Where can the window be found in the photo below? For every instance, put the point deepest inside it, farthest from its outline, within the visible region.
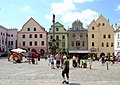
(99, 24)
(81, 35)
(11, 35)
(92, 35)
(57, 29)
(118, 44)
(30, 36)
(72, 43)
(35, 43)
(102, 44)
(23, 43)
(63, 44)
(104, 36)
(77, 43)
(109, 36)
(42, 43)
(8, 42)
(83, 43)
(107, 44)
(35, 35)
(86, 35)
(112, 44)
(28, 29)
(73, 35)
(23, 36)
(57, 37)
(40, 35)
(92, 43)
(118, 35)
(93, 28)
(63, 37)
(34, 29)
(30, 43)
(103, 24)
(51, 37)
(11, 42)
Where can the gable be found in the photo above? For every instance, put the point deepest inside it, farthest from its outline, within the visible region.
(31, 23)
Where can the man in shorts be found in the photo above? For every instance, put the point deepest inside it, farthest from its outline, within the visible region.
(65, 70)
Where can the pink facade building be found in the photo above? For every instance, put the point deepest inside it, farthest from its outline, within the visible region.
(33, 36)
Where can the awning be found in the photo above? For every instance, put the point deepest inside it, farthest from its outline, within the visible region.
(79, 51)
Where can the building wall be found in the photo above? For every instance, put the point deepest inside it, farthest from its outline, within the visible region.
(99, 29)
(117, 41)
(12, 38)
(60, 31)
(31, 24)
(3, 40)
(78, 37)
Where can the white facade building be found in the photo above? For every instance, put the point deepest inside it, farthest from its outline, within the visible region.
(8, 38)
(12, 38)
(117, 40)
(3, 38)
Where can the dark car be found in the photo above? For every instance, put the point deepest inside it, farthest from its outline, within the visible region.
(3, 53)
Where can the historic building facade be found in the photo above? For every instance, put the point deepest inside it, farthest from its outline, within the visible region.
(100, 37)
(12, 38)
(78, 38)
(8, 38)
(33, 36)
(3, 38)
(117, 40)
(61, 38)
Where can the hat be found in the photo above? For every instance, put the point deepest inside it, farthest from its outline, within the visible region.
(64, 57)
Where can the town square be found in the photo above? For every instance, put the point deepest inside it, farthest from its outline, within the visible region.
(60, 42)
(42, 74)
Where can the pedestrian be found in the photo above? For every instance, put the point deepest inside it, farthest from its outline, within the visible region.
(74, 60)
(90, 62)
(9, 53)
(52, 61)
(65, 70)
(29, 56)
(61, 60)
(57, 57)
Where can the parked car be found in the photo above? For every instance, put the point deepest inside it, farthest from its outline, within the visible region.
(3, 54)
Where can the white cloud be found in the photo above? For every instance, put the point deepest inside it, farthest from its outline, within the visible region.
(26, 8)
(86, 16)
(68, 13)
(82, 1)
(118, 8)
(62, 7)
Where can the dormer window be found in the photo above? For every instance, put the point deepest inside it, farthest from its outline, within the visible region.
(99, 24)
(34, 29)
(93, 28)
(103, 24)
(28, 29)
(57, 29)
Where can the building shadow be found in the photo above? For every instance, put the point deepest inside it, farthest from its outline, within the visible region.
(74, 84)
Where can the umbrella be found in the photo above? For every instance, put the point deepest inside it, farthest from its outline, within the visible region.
(18, 50)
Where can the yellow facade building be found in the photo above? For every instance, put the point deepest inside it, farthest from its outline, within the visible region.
(100, 37)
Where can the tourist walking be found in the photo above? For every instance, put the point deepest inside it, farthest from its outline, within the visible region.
(65, 70)
(57, 57)
(90, 62)
(52, 61)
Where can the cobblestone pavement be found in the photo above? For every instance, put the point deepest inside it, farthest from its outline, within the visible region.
(42, 74)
